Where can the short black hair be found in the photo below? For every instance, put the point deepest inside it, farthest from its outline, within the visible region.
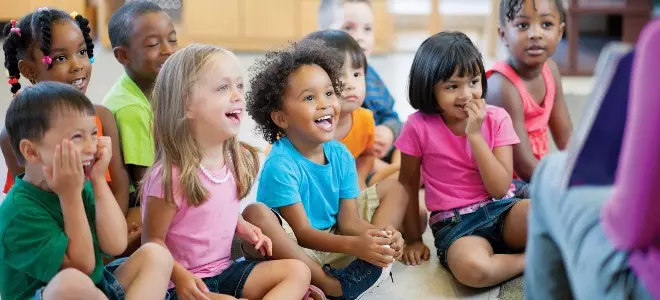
(120, 27)
(271, 74)
(436, 60)
(509, 9)
(31, 112)
(343, 42)
(35, 30)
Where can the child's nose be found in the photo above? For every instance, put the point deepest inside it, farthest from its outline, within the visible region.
(166, 49)
(535, 32)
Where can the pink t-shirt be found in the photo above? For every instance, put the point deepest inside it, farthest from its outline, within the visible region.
(200, 238)
(448, 166)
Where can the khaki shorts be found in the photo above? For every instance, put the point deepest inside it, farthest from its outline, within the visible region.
(367, 204)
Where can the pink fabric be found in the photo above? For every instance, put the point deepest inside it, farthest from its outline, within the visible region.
(631, 218)
(536, 116)
(449, 168)
(200, 238)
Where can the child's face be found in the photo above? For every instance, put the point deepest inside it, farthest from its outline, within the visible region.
(452, 95)
(532, 36)
(69, 58)
(354, 86)
(152, 42)
(218, 99)
(359, 23)
(310, 106)
(71, 125)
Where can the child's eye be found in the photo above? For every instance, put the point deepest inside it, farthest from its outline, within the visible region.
(368, 28)
(356, 74)
(240, 86)
(76, 136)
(548, 24)
(95, 132)
(153, 45)
(522, 25)
(309, 98)
(475, 82)
(452, 87)
(223, 87)
(174, 41)
(83, 52)
(59, 58)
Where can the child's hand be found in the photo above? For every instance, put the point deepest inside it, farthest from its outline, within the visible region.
(370, 247)
(396, 241)
(103, 155)
(476, 110)
(190, 287)
(65, 176)
(414, 253)
(134, 232)
(253, 235)
(383, 141)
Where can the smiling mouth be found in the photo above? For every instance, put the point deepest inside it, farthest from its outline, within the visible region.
(235, 115)
(87, 167)
(325, 123)
(79, 83)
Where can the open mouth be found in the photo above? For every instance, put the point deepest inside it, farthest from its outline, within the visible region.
(79, 83)
(87, 167)
(325, 122)
(235, 115)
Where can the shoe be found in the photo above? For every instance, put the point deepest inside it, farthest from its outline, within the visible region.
(358, 278)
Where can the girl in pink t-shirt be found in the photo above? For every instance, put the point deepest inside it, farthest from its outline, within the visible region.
(190, 197)
(528, 84)
(462, 148)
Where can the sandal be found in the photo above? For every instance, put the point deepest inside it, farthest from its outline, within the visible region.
(315, 293)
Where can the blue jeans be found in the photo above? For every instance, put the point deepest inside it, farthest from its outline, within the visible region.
(568, 254)
(109, 284)
(229, 282)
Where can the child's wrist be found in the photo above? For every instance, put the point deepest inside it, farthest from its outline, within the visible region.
(474, 136)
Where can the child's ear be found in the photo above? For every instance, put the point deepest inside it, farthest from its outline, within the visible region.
(121, 54)
(279, 119)
(29, 151)
(27, 69)
(500, 32)
(562, 28)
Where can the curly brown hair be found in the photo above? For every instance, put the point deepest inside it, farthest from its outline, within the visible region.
(272, 73)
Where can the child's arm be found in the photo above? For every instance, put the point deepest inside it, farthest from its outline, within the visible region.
(507, 97)
(495, 167)
(10, 158)
(364, 164)
(349, 221)
(109, 218)
(560, 120)
(409, 175)
(367, 246)
(119, 184)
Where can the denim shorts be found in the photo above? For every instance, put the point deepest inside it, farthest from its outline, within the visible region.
(229, 282)
(109, 284)
(486, 222)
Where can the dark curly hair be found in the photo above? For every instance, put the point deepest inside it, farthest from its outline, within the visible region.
(272, 73)
(35, 31)
(509, 9)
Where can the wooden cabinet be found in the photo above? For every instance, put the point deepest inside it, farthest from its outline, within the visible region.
(18, 8)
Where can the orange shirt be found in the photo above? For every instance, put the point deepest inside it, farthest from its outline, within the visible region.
(10, 179)
(362, 133)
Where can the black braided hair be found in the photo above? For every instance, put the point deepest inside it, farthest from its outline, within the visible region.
(509, 9)
(34, 27)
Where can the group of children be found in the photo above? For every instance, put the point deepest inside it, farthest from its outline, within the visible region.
(160, 171)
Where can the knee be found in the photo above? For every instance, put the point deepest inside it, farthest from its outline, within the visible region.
(155, 255)
(70, 284)
(258, 214)
(392, 190)
(298, 270)
(472, 273)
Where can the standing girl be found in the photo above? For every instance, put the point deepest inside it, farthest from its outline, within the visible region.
(52, 45)
(528, 84)
(191, 194)
(462, 147)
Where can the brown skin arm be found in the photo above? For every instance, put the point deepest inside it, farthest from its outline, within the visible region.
(349, 221)
(10, 158)
(409, 178)
(118, 174)
(502, 93)
(364, 164)
(560, 120)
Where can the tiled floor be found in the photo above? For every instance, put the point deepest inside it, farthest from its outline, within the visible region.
(428, 281)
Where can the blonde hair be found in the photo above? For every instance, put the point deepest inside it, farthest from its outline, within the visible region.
(175, 145)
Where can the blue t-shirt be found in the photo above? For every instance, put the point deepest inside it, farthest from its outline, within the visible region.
(288, 178)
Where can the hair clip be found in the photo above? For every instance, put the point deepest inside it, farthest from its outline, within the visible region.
(74, 14)
(47, 60)
(12, 80)
(91, 60)
(15, 29)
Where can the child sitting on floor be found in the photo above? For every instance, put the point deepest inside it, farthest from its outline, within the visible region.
(528, 84)
(310, 179)
(55, 224)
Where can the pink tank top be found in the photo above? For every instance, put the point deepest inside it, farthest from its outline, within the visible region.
(536, 116)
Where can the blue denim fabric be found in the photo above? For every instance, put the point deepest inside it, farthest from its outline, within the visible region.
(230, 282)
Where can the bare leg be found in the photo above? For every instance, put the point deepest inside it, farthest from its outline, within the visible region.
(278, 279)
(473, 263)
(146, 274)
(393, 203)
(215, 296)
(285, 248)
(515, 226)
(71, 284)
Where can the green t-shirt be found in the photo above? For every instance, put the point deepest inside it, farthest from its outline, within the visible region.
(135, 118)
(32, 239)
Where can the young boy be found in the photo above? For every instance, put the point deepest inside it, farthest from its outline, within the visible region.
(142, 37)
(356, 17)
(54, 224)
(310, 179)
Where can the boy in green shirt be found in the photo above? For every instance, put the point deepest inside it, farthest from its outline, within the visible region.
(51, 236)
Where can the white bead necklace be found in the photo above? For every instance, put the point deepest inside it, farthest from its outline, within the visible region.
(210, 177)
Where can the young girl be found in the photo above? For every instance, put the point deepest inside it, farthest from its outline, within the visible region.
(52, 45)
(474, 216)
(528, 84)
(191, 194)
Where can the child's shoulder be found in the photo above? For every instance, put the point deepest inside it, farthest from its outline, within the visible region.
(124, 92)
(363, 117)
(496, 112)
